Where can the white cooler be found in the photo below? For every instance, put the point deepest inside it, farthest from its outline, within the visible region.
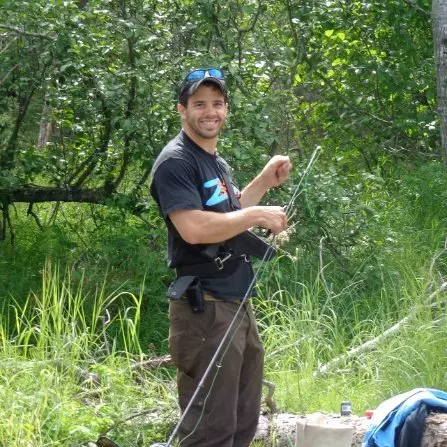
(318, 430)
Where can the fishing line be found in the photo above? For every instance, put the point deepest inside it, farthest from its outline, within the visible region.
(316, 153)
(226, 337)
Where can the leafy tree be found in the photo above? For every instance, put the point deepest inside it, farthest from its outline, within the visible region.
(88, 88)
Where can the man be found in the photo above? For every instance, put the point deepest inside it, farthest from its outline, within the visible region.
(191, 185)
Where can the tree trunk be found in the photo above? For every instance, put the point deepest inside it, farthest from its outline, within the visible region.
(439, 13)
(46, 127)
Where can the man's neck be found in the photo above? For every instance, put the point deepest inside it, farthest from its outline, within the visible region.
(207, 144)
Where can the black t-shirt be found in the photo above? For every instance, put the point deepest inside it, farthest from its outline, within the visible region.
(186, 177)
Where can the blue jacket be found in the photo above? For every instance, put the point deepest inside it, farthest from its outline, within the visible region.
(389, 417)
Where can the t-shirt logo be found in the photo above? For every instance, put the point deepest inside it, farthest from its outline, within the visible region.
(220, 192)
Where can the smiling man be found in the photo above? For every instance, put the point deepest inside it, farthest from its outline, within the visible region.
(204, 214)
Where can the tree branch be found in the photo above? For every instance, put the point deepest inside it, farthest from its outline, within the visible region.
(9, 73)
(43, 194)
(412, 3)
(253, 22)
(54, 213)
(6, 223)
(30, 212)
(371, 344)
(323, 279)
(82, 166)
(8, 45)
(129, 111)
(143, 180)
(26, 33)
(8, 157)
(3, 223)
(215, 22)
(99, 196)
(105, 138)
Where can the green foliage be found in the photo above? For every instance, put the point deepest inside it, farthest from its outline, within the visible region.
(87, 100)
(307, 335)
(109, 251)
(62, 377)
(312, 310)
(102, 76)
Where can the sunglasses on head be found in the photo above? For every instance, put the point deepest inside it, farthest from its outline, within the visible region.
(197, 75)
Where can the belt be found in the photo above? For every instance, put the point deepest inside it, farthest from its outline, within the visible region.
(209, 297)
(210, 268)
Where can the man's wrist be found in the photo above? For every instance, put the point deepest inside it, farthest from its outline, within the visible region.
(262, 183)
(254, 215)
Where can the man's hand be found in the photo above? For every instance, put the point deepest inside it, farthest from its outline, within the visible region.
(276, 171)
(272, 218)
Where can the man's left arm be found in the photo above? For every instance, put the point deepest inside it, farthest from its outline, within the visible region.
(274, 174)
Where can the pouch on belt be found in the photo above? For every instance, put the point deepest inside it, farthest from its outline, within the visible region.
(191, 287)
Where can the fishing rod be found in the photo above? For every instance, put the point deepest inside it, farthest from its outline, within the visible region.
(224, 340)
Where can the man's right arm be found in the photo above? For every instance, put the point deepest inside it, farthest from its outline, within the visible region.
(175, 184)
(207, 227)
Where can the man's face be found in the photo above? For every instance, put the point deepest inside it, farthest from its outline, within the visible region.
(205, 112)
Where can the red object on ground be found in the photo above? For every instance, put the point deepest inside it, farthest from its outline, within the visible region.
(368, 413)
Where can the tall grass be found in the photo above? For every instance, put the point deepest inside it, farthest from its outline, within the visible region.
(93, 244)
(64, 379)
(308, 316)
(68, 349)
(300, 337)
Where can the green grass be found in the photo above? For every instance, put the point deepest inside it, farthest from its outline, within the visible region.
(81, 307)
(100, 249)
(63, 380)
(303, 332)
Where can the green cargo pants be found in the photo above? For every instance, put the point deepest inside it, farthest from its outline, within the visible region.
(226, 411)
